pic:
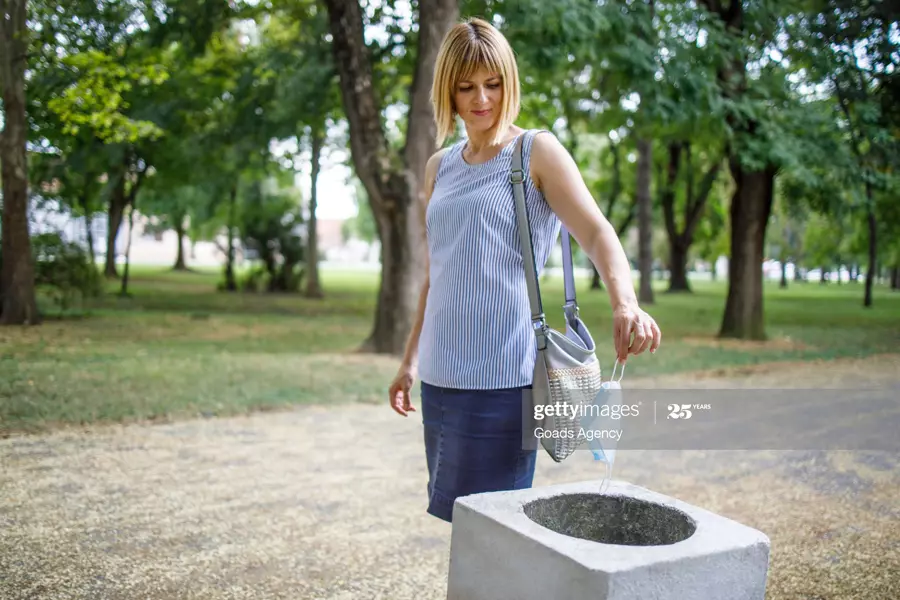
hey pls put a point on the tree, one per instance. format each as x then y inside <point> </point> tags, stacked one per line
<point>752,166</point>
<point>114,72</point>
<point>18,303</point>
<point>694,202</point>
<point>643,194</point>
<point>645,219</point>
<point>97,103</point>
<point>849,47</point>
<point>608,188</point>
<point>786,231</point>
<point>394,187</point>
<point>308,101</point>
<point>313,284</point>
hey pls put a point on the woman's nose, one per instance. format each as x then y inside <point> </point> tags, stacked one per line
<point>482,95</point>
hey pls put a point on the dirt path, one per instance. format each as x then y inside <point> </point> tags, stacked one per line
<point>328,503</point>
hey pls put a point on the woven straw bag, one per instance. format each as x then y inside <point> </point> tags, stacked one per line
<point>566,370</point>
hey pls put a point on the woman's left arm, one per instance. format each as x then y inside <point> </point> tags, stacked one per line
<point>555,173</point>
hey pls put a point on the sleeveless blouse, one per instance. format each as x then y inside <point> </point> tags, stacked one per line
<point>476,333</point>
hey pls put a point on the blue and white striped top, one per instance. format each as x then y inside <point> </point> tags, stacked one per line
<point>477,333</point>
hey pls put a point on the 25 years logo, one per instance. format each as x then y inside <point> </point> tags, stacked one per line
<point>680,411</point>
<point>684,411</point>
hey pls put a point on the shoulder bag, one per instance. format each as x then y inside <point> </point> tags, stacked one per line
<point>567,373</point>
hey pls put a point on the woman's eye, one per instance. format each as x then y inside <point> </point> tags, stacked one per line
<point>493,86</point>
<point>465,89</point>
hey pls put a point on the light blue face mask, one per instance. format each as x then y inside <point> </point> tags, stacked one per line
<point>605,416</point>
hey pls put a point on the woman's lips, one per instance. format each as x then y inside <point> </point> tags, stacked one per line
<point>481,113</point>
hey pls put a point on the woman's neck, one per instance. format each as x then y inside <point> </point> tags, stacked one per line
<point>479,143</point>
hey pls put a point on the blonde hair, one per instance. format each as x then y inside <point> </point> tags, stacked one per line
<point>468,47</point>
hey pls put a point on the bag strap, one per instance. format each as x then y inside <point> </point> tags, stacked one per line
<point>517,177</point>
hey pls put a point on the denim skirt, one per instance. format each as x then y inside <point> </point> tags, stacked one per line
<point>473,444</point>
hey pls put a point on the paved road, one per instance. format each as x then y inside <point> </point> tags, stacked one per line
<point>328,503</point>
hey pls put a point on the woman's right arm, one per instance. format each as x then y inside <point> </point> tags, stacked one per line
<point>399,391</point>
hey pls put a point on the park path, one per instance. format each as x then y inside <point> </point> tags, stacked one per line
<point>328,503</point>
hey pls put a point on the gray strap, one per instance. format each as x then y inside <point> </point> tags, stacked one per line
<point>568,275</point>
<point>517,177</point>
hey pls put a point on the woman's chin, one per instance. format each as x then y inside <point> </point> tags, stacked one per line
<point>480,126</point>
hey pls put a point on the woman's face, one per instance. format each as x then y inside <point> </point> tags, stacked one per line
<point>478,98</point>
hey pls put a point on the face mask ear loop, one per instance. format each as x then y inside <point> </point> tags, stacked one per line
<point>621,371</point>
<point>604,485</point>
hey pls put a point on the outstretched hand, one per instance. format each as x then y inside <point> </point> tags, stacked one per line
<point>634,331</point>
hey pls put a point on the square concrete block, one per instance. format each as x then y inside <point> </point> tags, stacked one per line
<point>570,542</point>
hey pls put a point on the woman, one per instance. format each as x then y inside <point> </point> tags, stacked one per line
<point>471,344</point>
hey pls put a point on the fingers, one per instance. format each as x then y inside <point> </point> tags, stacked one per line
<point>657,337</point>
<point>640,337</point>
<point>648,338</point>
<point>397,401</point>
<point>647,335</point>
<point>623,337</point>
<point>407,405</point>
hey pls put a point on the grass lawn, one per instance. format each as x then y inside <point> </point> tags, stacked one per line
<point>177,348</point>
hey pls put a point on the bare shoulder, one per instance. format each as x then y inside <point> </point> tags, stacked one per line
<point>548,155</point>
<point>431,169</point>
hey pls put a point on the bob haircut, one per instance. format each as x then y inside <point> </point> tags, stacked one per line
<point>469,46</point>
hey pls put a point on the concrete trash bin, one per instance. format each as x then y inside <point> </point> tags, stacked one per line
<point>570,542</point>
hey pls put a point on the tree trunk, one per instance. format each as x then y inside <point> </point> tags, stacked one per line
<point>680,241</point>
<point>117,204</point>
<point>783,285</point>
<point>130,200</point>
<point>751,206</point>
<point>395,194</point>
<point>179,233</point>
<point>645,221</point>
<point>713,270</point>
<point>18,303</point>
<point>751,203</point>
<point>230,283</point>
<point>614,195</point>
<point>84,202</point>
<point>895,277</point>
<point>89,231</point>
<point>873,248</point>
<point>313,287</point>
<point>124,290</point>
<point>678,255</point>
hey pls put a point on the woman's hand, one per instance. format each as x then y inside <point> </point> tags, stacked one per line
<point>399,390</point>
<point>629,319</point>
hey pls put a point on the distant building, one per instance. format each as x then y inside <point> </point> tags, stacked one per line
<point>161,248</point>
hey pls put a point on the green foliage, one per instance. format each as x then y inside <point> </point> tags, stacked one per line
<point>97,98</point>
<point>272,233</point>
<point>844,47</point>
<point>821,240</point>
<point>188,89</point>
<point>63,270</point>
